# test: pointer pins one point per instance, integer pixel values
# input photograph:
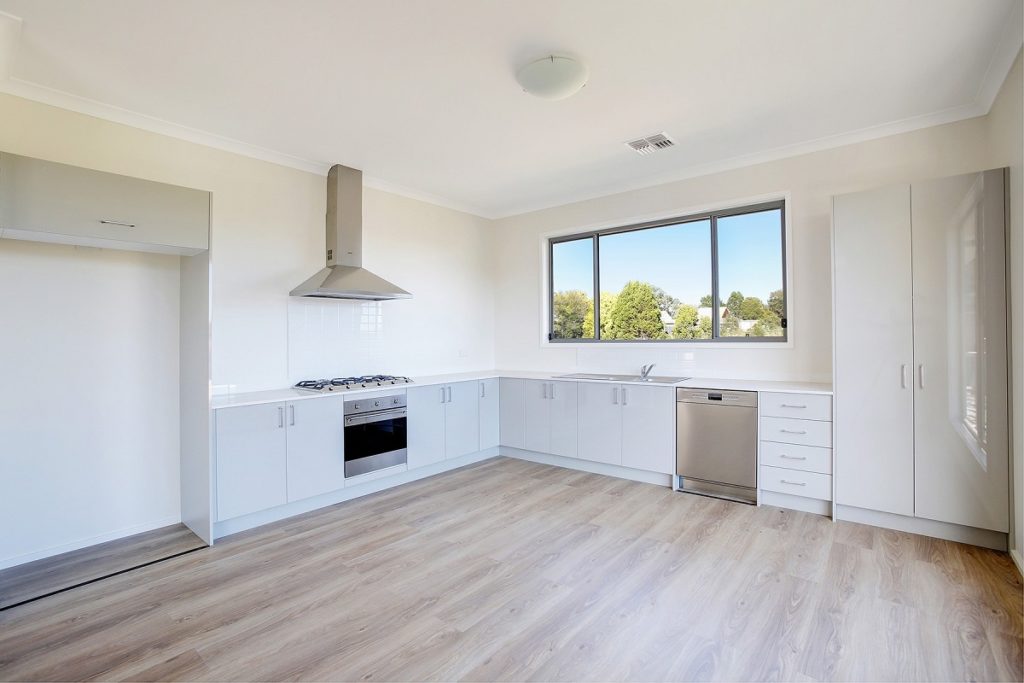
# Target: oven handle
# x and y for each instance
(375, 417)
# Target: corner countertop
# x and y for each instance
(278, 395)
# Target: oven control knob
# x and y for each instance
(376, 404)
(357, 406)
(395, 402)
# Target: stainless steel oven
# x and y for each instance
(375, 433)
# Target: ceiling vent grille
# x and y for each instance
(651, 143)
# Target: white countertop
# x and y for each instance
(278, 395)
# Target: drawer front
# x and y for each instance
(800, 406)
(801, 432)
(796, 483)
(791, 456)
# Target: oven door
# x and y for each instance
(374, 441)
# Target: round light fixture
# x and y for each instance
(553, 77)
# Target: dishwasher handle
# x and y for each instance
(746, 399)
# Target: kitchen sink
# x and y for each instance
(651, 379)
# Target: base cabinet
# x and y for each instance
(600, 422)
(316, 447)
(251, 459)
(551, 417)
(489, 413)
(512, 412)
(444, 422)
(649, 428)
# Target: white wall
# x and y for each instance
(809, 181)
(1006, 138)
(89, 397)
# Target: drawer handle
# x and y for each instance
(793, 483)
(792, 457)
(104, 221)
(793, 405)
(792, 431)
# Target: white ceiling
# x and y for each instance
(421, 94)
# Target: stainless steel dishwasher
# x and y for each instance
(716, 443)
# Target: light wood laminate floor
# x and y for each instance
(512, 570)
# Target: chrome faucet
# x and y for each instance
(645, 370)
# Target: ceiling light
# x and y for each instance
(553, 77)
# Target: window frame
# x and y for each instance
(709, 215)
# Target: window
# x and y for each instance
(658, 281)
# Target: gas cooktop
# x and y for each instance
(349, 383)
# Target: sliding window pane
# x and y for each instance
(572, 298)
(656, 283)
(750, 274)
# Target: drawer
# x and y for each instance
(802, 432)
(801, 406)
(796, 483)
(791, 456)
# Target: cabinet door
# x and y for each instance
(512, 412)
(538, 417)
(426, 425)
(50, 199)
(649, 428)
(251, 459)
(874, 348)
(489, 413)
(600, 422)
(961, 442)
(564, 418)
(316, 446)
(462, 419)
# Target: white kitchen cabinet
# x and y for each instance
(920, 350)
(874, 350)
(425, 423)
(512, 412)
(489, 413)
(251, 459)
(649, 428)
(600, 422)
(49, 202)
(461, 419)
(315, 433)
(551, 417)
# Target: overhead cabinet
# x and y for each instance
(921, 421)
(44, 201)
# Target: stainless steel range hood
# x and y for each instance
(344, 277)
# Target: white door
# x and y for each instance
(538, 416)
(512, 412)
(250, 459)
(462, 419)
(874, 350)
(600, 422)
(960, 404)
(316, 446)
(425, 424)
(564, 418)
(649, 428)
(489, 413)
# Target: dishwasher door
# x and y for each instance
(716, 443)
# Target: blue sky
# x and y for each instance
(677, 258)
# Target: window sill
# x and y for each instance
(669, 345)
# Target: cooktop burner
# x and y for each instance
(347, 383)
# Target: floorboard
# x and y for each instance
(509, 570)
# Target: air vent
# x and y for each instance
(651, 143)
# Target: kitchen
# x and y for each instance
(247, 450)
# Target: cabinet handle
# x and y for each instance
(625, 397)
(793, 405)
(291, 415)
(442, 394)
(903, 376)
(483, 390)
(280, 417)
(123, 224)
(449, 390)
(552, 392)
(920, 375)
(793, 483)
(615, 395)
(543, 389)
(792, 457)
(793, 431)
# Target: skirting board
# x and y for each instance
(926, 527)
(1015, 555)
(246, 522)
(784, 500)
(588, 466)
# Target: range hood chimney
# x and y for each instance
(344, 277)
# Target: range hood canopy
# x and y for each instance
(344, 277)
